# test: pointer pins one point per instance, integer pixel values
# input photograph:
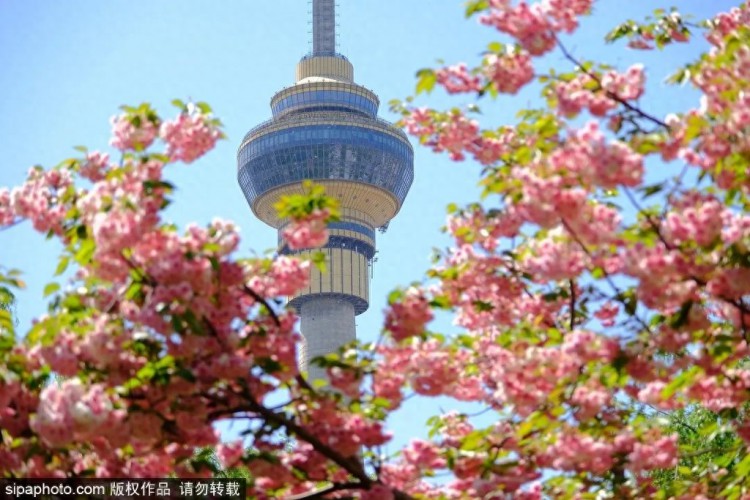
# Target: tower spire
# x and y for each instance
(324, 27)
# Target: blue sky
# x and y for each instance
(66, 67)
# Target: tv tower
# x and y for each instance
(325, 128)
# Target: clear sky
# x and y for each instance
(66, 67)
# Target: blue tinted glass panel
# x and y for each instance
(326, 152)
(338, 99)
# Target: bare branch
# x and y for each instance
(611, 95)
(265, 303)
(572, 305)
(322, 493)
(618, 293)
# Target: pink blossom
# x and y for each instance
(509, 72)
(477, 227)
(189, 136)
(627, 86)
(574, 451)
(419, 122)
(377, 492)
(456, 79)
(408, 317)
(640, 43)
(347, 381)
(660, 453)
(590, 398)
(6, 214)
(457, 134)
(287, 276)
(423, 455)
(572, 98)
(308, 232)
(607, 313)
(133, 132)
(38, 200)
(606, 164)
(95, 166)
(695, 218)
(555, 258)
(652, 394)
(71, 411)
(230, 453)
(62, 355)
(534, 26)
(528, 24)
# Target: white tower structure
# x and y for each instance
(325, 128)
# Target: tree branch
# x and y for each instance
(572, 305)
(609, 94)
(325, 491)
(12, 224)
(351, 466)
(607, 277)
(265, 303)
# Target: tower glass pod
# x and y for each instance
(325, 128)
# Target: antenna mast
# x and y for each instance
(324, 27)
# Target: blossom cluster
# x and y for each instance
(588, 283)
(534, 25)
(190, 135)
(310, 231)
(599, 93)
(168, 331)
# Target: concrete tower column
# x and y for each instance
(327, 324)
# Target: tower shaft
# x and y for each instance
(327, 324)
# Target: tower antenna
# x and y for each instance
(324, 27)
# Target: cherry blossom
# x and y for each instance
(190, 135)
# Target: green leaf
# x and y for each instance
(73, 303)
(630, 301)
(682, 380)
(496, 47)
(6, 321)
(205, 108)
(652, 189)
(62, 266)
(473, 440)
(679, 319)
(426, 80)
(152, 185)
(146, 373)
(6, 297)
(395, 296)
(597, 273)
(133, 291)
(51, 288)
(319, 260)
(186, 374)
(743, 468)
(474, 6)
(7, 342)
(85, 252)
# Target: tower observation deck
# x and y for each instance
(325, 128)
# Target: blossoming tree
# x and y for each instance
(591, 298)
